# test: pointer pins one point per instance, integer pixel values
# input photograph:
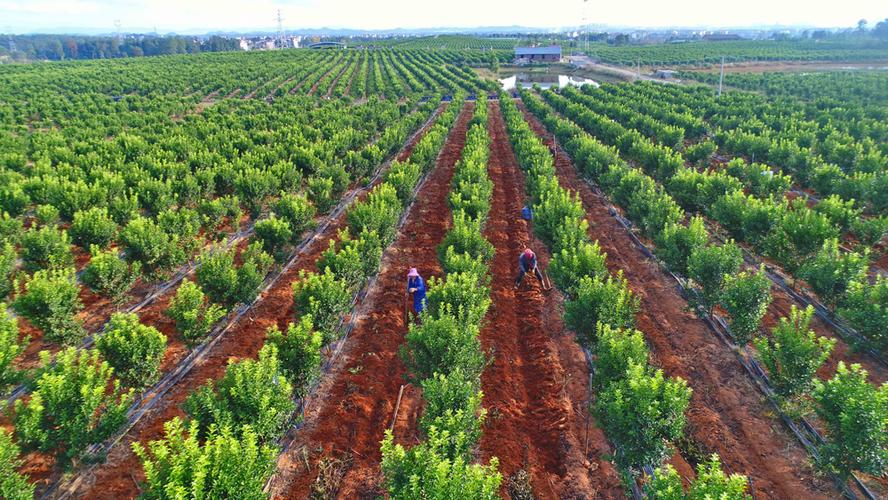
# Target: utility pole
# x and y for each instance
(280, 21)
(638, 68)
(721, 77)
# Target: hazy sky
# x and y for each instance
(170, 15)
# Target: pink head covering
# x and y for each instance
(413, 273)
(528, 253)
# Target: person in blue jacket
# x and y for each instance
(416, 286)
(528, 262)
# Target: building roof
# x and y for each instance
(554, 50)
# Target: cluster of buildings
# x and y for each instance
(269, 42)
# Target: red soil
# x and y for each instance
(727, 413)
(355, 403)
(536, 390)
(118, 477)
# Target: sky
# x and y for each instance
(20, 16)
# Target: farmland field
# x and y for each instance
(205, 292)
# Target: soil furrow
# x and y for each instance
(347, 416)
(727, 414)
(536, 388)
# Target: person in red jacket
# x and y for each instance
(528, 262)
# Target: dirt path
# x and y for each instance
(536, 389)
(727, 414)
(347, 416)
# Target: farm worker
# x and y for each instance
(416, 286)
(528, 262)
(527, 213)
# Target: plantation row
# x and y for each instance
(804, 241)
(50, 299)
(443, 352)
(705, 53)
(791, 355)
(186, 209)
(640, 410)
(109, 95)
(817, 150)
(669, 128)
(320, 301)
(136, 350)
(801, 239)
(838, 88)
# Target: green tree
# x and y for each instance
(253, 186)
(453, 408)
(299, 351)
(440, 344)
(600, 300)
(677, 242)
(615, 351)
(425, 471)
(109, 275)
(710, 483)
(462, 295)
(13, 486)
(8, 258)
(146, 242)
(50, 300)
(831, 271)
(856, 417)
(134, 350)
(866, 308)
(193, 314)
(297, 211)
(746, 297)
(274, 234)
(466, 238)
(93, 226)
(794, 353)
(252, 392)
(46, 248)
(47, 215)
(227, 464)
(642, 414)
(707, 266)
(10, 348)
(324, 297)
(568, 266)
(76, 403)
(379, 212)
(227, 284)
